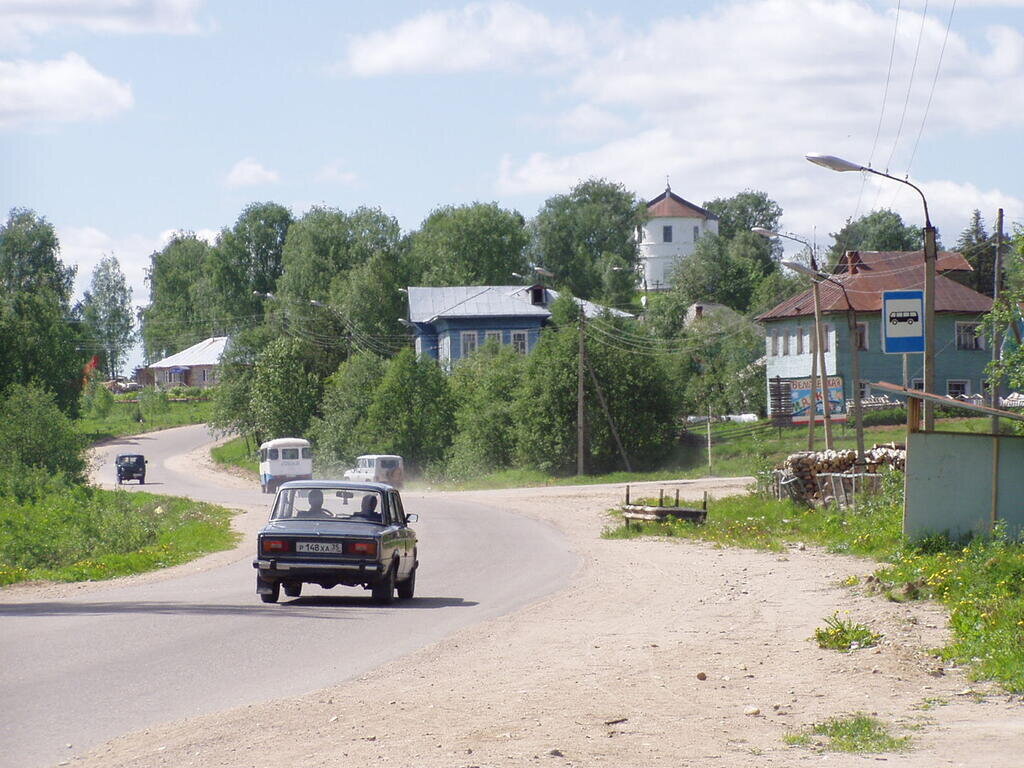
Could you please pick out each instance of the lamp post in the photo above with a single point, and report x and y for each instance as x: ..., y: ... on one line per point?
x: 819, y: 342
x: 851, y: 316
x: 930, y: 257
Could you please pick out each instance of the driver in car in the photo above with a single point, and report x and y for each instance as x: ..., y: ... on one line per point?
x: 316, y: 505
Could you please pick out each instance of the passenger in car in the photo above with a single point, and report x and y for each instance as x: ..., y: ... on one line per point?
x: 368, y: 508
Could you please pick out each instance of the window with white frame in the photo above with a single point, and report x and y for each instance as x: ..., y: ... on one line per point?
x: 799, y: 341
x: 785, y: 342
x: 468, y: 339
x: 444, y: 354
x: 696, y: 234
x: 862, y: 335
x: 666, y: 233
x: 519, y: 343
x: 827, y: 333
x: 917, y: 384
x: 967, y: 336
x: 958, y: 387
x: 492, y: 336
x: 774, y: 344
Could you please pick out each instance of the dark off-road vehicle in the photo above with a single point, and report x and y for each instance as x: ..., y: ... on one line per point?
x: 131, y: 466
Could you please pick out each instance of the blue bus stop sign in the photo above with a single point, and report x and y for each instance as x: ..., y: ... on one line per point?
x: 902, y: 322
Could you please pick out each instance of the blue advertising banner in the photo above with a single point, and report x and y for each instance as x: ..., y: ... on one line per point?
x: 800, y: 391
x: 902, y: 322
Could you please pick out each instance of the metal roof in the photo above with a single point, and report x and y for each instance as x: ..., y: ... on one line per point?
x: 866, y: 285
x: 427, y: 304
x: 670, y: 205
x: 206, y: 352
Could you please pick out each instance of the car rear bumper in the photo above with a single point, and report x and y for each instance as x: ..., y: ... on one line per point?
x: 274, y: 568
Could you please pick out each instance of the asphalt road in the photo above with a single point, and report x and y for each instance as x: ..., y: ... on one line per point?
x: 83, y: 668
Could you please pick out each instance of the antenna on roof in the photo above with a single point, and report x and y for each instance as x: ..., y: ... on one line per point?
x: 668, y: 187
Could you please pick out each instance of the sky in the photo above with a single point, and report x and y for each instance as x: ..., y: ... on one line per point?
x: 123, y: 121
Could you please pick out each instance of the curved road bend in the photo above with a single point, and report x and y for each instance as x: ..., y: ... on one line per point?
x: 114, y: 658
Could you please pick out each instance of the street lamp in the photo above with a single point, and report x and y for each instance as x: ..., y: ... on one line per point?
x: 930, y: 257
x: 819, y: 338
x: 851, y: 316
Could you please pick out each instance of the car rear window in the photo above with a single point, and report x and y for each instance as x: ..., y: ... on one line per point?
x: 347, y: 504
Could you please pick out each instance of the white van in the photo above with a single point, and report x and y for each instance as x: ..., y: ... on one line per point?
x: 378, y: 468
x: 284, y: 459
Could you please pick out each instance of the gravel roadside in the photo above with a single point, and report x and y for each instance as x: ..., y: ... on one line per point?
x: 660, y: 653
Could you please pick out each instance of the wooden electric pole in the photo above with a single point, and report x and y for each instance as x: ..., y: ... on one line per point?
x: 581, y: 416
x: 997, y: 337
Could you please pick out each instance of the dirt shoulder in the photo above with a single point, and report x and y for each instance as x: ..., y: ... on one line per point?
x: 606, y: 671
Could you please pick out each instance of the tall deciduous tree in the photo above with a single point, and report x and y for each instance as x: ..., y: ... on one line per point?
x: 739, y: 213
x: 38, y: 339
x: 340, y: 433
x: 882, y: 230
x: 285, y: 395
x: 177, y: 315
x: 478, y: 244
x: 412, y: 410
x: 246, y: 259
x: 107, y: 312
x: 573, y: 233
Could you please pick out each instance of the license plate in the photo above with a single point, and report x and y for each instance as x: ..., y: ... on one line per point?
x: 330, y: 547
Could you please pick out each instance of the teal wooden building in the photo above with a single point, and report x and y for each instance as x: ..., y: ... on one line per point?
x: 961, y: 352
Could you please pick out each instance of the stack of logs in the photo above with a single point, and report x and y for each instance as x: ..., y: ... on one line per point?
x: 807, y: 465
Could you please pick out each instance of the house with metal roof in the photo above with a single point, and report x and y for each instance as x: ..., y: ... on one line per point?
x: 673, y: 227
x: 192, y: 367
x: 451, y: 322
x: 960, y: 349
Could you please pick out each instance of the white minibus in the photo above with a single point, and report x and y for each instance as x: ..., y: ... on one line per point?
x: 284, y: 459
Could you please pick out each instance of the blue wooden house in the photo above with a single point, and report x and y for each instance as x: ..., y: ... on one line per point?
x: 960, y: 351
x: 451, y: 322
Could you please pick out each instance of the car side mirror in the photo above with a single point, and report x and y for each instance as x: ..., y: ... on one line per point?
x: 412, y: 517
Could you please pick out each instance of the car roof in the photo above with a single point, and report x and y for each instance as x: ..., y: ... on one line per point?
x: 339, y: 484
x: 379, y: 456
x: 129, y: 456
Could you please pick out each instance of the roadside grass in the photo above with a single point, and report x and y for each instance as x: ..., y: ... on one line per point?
x: 80, y: 533
x: 840, y: 634
x: 980, y: 583
x: 239, y: 453
x: 851, y: 733
x: 123, y: 420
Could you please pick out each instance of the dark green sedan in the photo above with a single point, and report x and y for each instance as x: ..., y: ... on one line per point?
x: 335, y: 533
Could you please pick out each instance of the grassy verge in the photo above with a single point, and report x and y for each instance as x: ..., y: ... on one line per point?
x: 982, y: 583
x: 123, y: 419
x: 77, y: 533
x: 852, y: 733
x: 237, y: 453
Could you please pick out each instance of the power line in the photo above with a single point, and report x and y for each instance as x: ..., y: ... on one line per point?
x: 935, y: 80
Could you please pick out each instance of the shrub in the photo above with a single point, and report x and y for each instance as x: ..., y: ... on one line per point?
x: 36, y: 434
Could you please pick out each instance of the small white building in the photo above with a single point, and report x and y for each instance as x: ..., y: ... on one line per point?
x: 192, y: 367
x: 671, y: 233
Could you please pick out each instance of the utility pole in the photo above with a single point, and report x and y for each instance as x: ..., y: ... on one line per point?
x: 997, y: 337
x: 930, y: 257
x: 581, y: 417
x: 819, y: 333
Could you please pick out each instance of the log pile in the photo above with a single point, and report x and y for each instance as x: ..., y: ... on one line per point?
x: 800, y: 470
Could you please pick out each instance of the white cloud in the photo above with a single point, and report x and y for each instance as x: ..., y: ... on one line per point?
x: 83, y: 247
x: 496, y: 35
x: 733, y: 97
x: 23, y: 20
x: 247, y: 172
x: 335, y: 173
x: 61, y: 90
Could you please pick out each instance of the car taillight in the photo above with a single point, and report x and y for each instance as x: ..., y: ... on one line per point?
x: 270, y: 546
x: 367, y: 548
